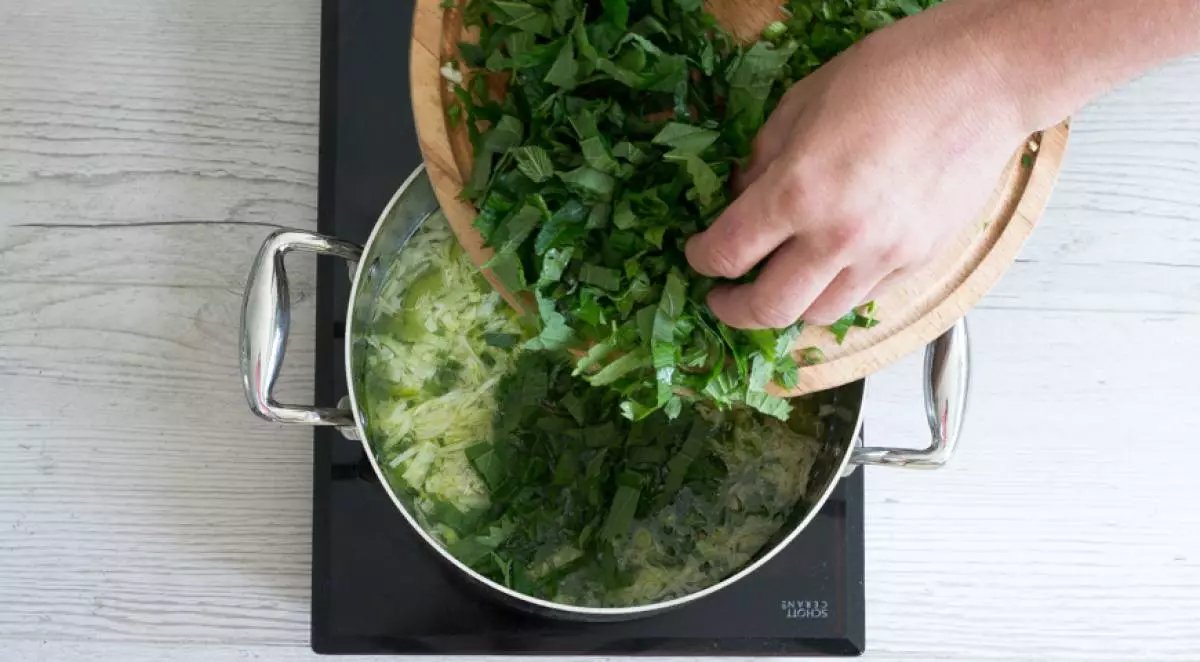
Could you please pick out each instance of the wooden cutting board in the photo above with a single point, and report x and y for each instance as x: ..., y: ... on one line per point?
x: 911, y: 315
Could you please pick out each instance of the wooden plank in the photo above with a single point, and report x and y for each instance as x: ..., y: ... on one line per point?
x: 1066, y: 519
x: 146, y: 148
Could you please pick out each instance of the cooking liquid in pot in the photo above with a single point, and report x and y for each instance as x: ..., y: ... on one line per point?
x: 532, y: 477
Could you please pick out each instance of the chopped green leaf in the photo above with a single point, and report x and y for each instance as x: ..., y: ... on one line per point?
x: 508, y: 270
x: 703, y: 178
x: 864, y: 317
x: 654, y: 235
x: 685, y: 139
x: 662, y: 344
x: 619, y: 368
x: 565, y: 72
x: 678, y: 465
x: 785, y: 339
x: 483, y: 457
x: 629, y: 151
x: 602, y: 277
x: 787, y: 371
x: 595, y: 354
x: 617, y: 135
x: 471, y: 53
x: 522, y: 16
x: 760, y: 373
x: 534, y: 163
x: 553, y: 265
x: 502, y: 137
x: 564, y: 228
x: 620, y: 516
x: 562, y: 12
x: 500, y: 340
x: 589, y: 182
x: 616, y: 13
x: 514, y: 231
x: 769, y: 405
x: 555, y: 334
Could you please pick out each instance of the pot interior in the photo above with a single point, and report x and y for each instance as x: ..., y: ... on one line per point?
x: 415, y: 206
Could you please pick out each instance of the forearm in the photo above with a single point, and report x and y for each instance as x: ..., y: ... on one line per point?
x: 1054, y: 56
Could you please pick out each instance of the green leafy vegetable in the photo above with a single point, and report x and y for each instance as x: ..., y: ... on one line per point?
x: 534, y: 163
x: 619, y: 368
x: 555, y: 334
x: 530, y: 475
x: 602, y: 277
x: 624, y: 505
x: 864, y: 318
x: 686, y: 139
x: 565, y: 72
x: 615, y: 142
x: 583, y: 506
x: 500, y: 340
x: 563, y: 228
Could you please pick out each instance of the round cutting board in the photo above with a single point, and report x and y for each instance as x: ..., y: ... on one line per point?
x: 910, y: 315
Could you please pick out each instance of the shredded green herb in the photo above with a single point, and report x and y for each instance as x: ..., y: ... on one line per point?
x: 614, y: 143
x: 587, y: 507
x: 863, y: 317
x: 531, y: 476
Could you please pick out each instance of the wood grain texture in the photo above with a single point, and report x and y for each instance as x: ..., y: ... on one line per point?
x: 148, y: 146
x: 911, y: 315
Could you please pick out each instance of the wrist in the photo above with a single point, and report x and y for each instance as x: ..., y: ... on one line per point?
x: 1027, y: 86
x: 1054, y: 56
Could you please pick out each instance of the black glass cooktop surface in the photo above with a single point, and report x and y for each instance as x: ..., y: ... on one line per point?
x: 376, y: 588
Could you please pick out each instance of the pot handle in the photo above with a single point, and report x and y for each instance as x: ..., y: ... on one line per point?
x: 266, y: 317
x: 947, y: 381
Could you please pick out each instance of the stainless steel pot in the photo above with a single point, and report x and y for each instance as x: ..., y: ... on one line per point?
x: 265, y: 321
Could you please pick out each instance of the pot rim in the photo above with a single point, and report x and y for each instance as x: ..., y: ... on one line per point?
x: 597, y: 612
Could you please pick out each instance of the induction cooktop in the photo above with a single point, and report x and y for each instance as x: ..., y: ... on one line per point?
x: 375, y: 587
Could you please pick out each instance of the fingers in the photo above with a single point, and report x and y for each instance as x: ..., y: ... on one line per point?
x: 850, y: 289
x: 889, y: 282
x: 745, y: 233
x: 774, y: 135
x: 757, y: 221
x: 792, y: 279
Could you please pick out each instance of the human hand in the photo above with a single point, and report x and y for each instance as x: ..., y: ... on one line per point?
x: 864, y: 171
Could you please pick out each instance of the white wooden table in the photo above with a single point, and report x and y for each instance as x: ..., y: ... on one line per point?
x: 147, y: 146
